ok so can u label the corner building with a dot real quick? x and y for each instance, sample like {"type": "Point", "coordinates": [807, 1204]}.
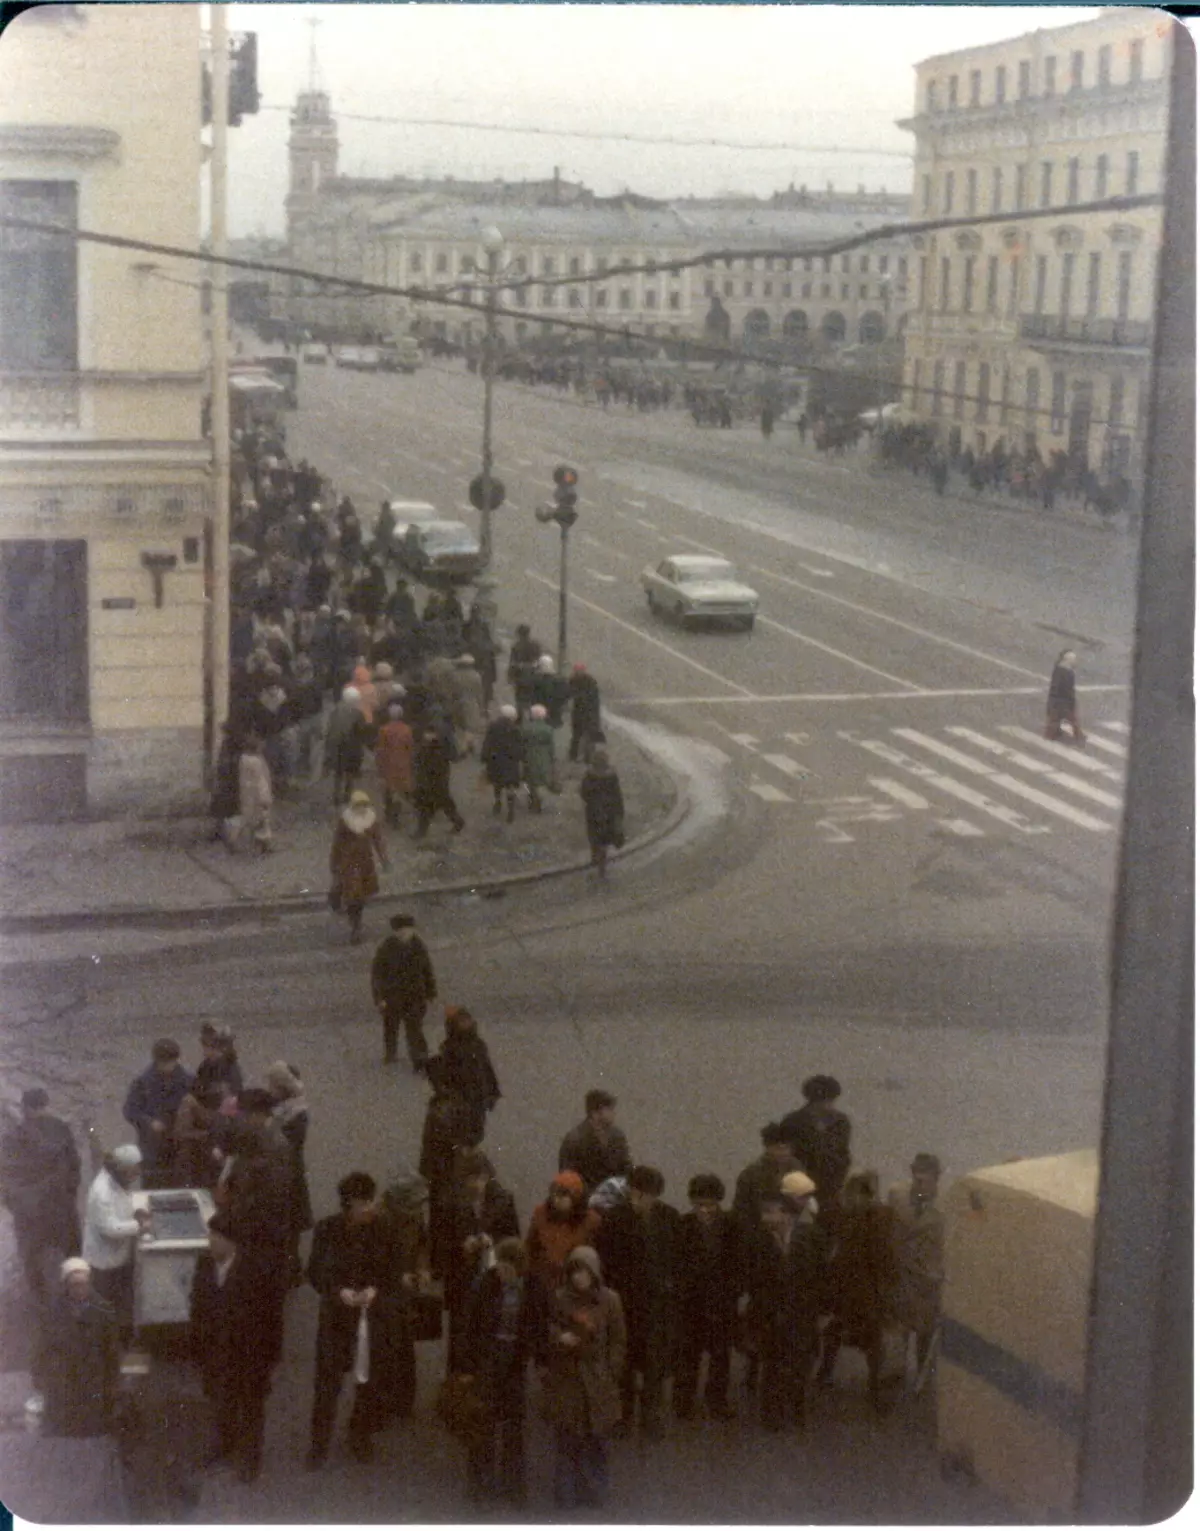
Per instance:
{"type": "Point", "coordinates": [104, 471]}
{"type": "Point", "coordinates": [1037, 333]}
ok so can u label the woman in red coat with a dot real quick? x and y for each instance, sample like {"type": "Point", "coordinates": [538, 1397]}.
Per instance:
{"type": "Point", "coordinates": [357, 845]}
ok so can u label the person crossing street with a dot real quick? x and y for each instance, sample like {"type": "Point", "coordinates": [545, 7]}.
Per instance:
{"type": "Point", "coordinates": [403, 985]}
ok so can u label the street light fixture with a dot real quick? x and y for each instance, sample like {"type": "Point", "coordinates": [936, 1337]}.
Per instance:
{"type": "Point", "coordinates": [492, 241]}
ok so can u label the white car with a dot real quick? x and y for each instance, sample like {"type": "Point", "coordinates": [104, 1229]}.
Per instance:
{"type": "Point", "coordinates": [314, 354]}
{"type": "Point", "coordinates": [410, 513]}
{"type": "Point", "coordinates": [346, 356]}
{"type": "Point", "coordinates": [694, 587]}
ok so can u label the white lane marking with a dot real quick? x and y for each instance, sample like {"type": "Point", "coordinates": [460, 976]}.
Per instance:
{"type": "Point", "coordinates": [1037, 767]}
{"type": "Point", "coordinates": [901, 794]}
{"type": "Point", "coordinates": [825, 648]}
{"type": "Point", "coordinates": [960, 827]}
{"type": "Point", "coordinates": [1109, 746]}
{"type": "Point", "coordinates": [1003, 779]}
{"type": "Point", "coordinates": [840, 696]}
{"type": "Point", "coordinates": [800, 739]}
{"type": "Point", "coordinates": [1117, 728]}
{"type": "Point", "coordinates": [641, 633]}
{"type": "Point", "coordinates": [768, 793]}
{"type": "Point", "coordinates": [834, 834]}
{"type": "Point", "coordinates": [1076, 756]}
{"type": "Point", "coordinates": [747, 741]}
{"type": "Point", "coordinates": [590, 541]}
{"type": "Point", "coordinates": [524, 462]}
{"type": "Point", "coordinates": [788, 766]}
{"type": "Point", "coordinates": [605, 579]}
{"type": "Point", "coordinates": [637, 504]}
{"type": "Point", "coordinates": [649, 525]}
{"type": "Point", "coordinates": [1010, 816]}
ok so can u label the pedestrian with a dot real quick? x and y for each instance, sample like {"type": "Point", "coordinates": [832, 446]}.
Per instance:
{"type": "Point", "coordinates": [197, 1133]}
{"type": "Point", "coordinates": [710, 1272]}
{"type": "Point", "coordinates": [505, 1329]}
{"type": "Point", "coordinates": [537, 756]}
{"type": "Point", "coordinates": [585, 712]}
{"type": "Point", "coordinates": [346, 736]}
{"type": "Point", "coordinates": [482, 1213]}
{"type": "Point", "coordinates": [39, 1186]}
{"type": "Point", "coordinates": [522, 659]}
{"type": "Point", "coordinates": [1060, 700]}
{"type": "Point", "coordinates": [290, 1116]}
{"type": "Point", "coordinates": [604, 809]}
{"type": "Point", "coordinates": [785, 1276]}
{"type": "Point", "coordinates": [585, 1361]}
{"type": "Point", "coordinates": [501, 756]}
{"type": "Point", "coordinates": [306, 720]}
{"type": "Point", "coordinates": [357, 846]}
{"type": "Point", "coordinates": [111, 1227]}
{"type": "Point", "coordinates": [150, 1107]}
{"type": "Point", "coordinates": [431, 784]}
{"type": "Point", "coordinates": [404, 1203]}
{"type": "Point", "coordinates": [394, 746]}
{"type": "Point", "coordinates": [819, 1135]}
{"type": "Point", "coordinates": [79, 1360]}
{"type": "Point", "coordinates": [478, 638]}
{"type": "Point", "coordinates": [918, 1251]}
{"type": "Point", "coordinates": [219, 1064]}
{"type": "Point", "coordinates": [353, 1269]}
{"type": "Point", "coordinates": [223, 805]}
{"type": "Point", "coordinates": [639, 1247]}
{"type": "Point", "coordinates": [403, 985]}
{"type": "Point", "coordinates": [596, 1149]}
{"type": "Point", "coordinates": [465, 1066]}
{"type": "Point", "coordinates": [257, 1187]}
{"type": "Point", "coordinates": [559, 1224]}
{"type": "Point", "coordinates": [229, 1339]}
{"type": "Point", "coordinates": [550, 690]}
{"type": "Point", "coordinates": [445, 1132]}
{"type": "Point", "coordinates": [469, 708]}
{"type": "Point", "coordinates": [861, 1279]}
{"type": "Point", "coordinates": [763, 1177]}
{"type": "Point", "coordinates": [255, 796]}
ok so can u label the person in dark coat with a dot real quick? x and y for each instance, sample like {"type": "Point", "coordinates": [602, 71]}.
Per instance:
{"type": "Point", "coordinates": [549, 690]}
{"type": "Point", "coordinates": [639, 1247]}
{"type": "Point", "coordinates": [79, 1362]}
{"type": "Point", "coordinates": [762, 1178]}
{"type": "Point", "coordinates": [354, 1269]}
{"type": "Point", "coordinates": [466, 1068]}
{"type": "Point", "coordinates": [431, 783]}
{"type": "Point", "coordinates": [483, 648]}
{"type": "Point", "coordinates": [604, 809]}
{"type": "Point", "coordinates": [224, 803]}
{"type": "Point", "coordinates": [446, 1130]}
{"type": "Point", "coordinates": [356, 847]}
{"type": "Point", "coordinates": [404, 1203]}
{"type": "Point", "coordinates": [820, 1138]}
{"type": "Point", "coordinates": [347, 735]}
{"type": "Point", "coordinates": [506, 1328]}
{"type": "Point", "coordinates": [482, 1212]}
{"type": "Point", "coordinates": [501, 755]}
{"type": "Point", "coordinates": [257, 1189]}
{"type": "Point", "coordinates": [710, 1283]}
{"type": "Point", "coordinates": [219, 1064]}
{"type": "Point", "coordinates": [522, 660]}
{"type": "Point", "coordinates": [229, 1337]}
{"type": "Point", "coordinates": [403, 985]}
{"type": "Point", "coordinates": [290, 1116]}
{"type": "Point", "coordinates": [597, 1148]}
{"type": "Point", "coordinates": [585, 712]}
{"type": "Point", "coordinates": [861, 1279]}
{"type": "Point", "coordinates": [39, 1185]}
{"type": "Point", "coordinates": [1060, 700]}
{"type": "Point", "coordinates": [150, 1107]}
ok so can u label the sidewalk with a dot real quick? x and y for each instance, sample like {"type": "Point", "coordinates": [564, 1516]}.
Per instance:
{"type": "Point", "coordinates": [128, 872]}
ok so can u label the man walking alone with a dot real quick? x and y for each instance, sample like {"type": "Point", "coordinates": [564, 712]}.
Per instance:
{"type": "Point", "coordinates": [403, 984]}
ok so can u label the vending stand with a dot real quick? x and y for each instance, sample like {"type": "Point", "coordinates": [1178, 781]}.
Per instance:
{"type": "Point", "coordinates": [165, 1262]}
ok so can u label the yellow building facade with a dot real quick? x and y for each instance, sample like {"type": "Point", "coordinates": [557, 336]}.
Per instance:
{"type": "Point", "coordinates": [1037, 332]}
{"type": "Point", "coordinates": [105, 474]}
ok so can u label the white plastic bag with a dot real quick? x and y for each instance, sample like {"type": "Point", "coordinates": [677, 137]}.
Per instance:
{"type": "Point", "coordinates": [362, 1350]}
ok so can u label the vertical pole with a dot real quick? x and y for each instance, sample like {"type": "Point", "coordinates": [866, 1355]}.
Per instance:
{"type": "Point", "coordinates": [219, 321]}
{"type": "Point", "coordinates": [564, 532]}
{"type": "Point", "coordinates": [1135, 1463]}
{"type": "Point", "coordinates": [489, 366]}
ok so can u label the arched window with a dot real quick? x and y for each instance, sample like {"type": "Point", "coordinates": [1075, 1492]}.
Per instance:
{"type": "Point", "coordinates": [871, 328]}
{"type": "Point", "coordinates": [833, 326]}
{"type": "Point", "coordinates": [756, 325]}
{"type": "Point", "coordinates": [795, 323]}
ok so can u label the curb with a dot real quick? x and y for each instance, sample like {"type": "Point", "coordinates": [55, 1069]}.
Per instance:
{"type": "Point", "coordinates": [237, 911]}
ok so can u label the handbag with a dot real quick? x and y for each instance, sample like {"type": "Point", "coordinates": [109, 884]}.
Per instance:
{"type": "Point", "coordinates": [425, 1317]}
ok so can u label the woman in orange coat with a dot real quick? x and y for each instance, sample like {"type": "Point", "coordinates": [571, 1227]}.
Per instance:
{"type": "Point", "coordinates": [559, 1225]}
{"type": "Point", "coordinates": [357, 845]}
{"type": "Point", "coordinates": [394, 762]}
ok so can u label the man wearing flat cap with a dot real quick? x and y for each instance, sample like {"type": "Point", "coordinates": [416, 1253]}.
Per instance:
{"type": "Point", "coordinates": [402, 986]}
{"type": "Point", "coordinates": [39, 1185]}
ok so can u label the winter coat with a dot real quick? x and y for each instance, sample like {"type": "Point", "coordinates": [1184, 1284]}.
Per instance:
{"type": "Point", "coordinates": [254, 787]}
{"type": "Point", "coordinates": [592, 1160]}
{"type": "Point", "coordinates": [346, 736]}
{"type": "Point", "coordinates": [502, 752]}
{"type": "Point", "coordinates": [762, 1178]}
{"type": "Point", "coordinates": [195, 1139]}
{"type": "Point", "coordinates": [402, 972]}
{"type": "Point", "coordinates": [495, 1216]}
{"type": "Point", "coordinates": [231, 1326]}
{"type": "Point", "coordinates": [1060, 702]}
{"type": "Point", "coordinates": [537, 744]}
{"type": "Point", "coordinates": [39, 1179]}
{"type": "Point", "coordinates": [224, 802]}
{"type": "Point", "coordinates": [788, 1289]}
{"type": "Point", "coordinates": [918, 1250]}
{"type": "Point", "coordinates": [394, 756]}
{"type": "Point", "coordinates": [291, 1117]}
{"type": "Point", "coordinates": [710, 1275]}
{"type": "Point", "coordinates": [862, 1271]}
{"type": "Point", "coordinates": [603, 806]}
{"type": "Point", "coordinates": [154, 1096]}
{"type": "Point", "coordinates": [258, 1192]}
{"type": "Point", "coordinates": [467, 711]}
{"type": "Point", "coordinates": [585, 703]}
{"type": "Point", "coordinates": [351, 1255]}
{"type": "Point", "coordinates": [583, 1384]}
{"type": "Point", "coordinates": [352, 858]}
{"type": "Point", "coordinates": [465, 1068]}
{"type": "Point", "coordinates": [820, 1139]}
{"type": "Point", "coordinates": [431, 778]}
{"type": "Point", "coordinates": [640, 1255]}
{"type": "Point", "coordinates": [522, 657]}
{"type": "Point", "coordinates": [223, 1070]}
{"type": "Point", "coordinates": [499, 1367]}
{"type": "Point", "coordinates": [553, 693]}
{"type": "Point", "coordinates": [79, 1368]}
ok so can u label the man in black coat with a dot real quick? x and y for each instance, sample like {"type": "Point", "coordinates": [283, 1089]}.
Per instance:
{"type": "Point", "coordinates": [39, 1184]}
{"type": "Point", "coordinates": [355, 1269]}
{"type": "Point", "coordinates": [820, 1138]}
{"type": "Point", "coordinates": [710, 1283]}
{"type": "Point", "coordinates": [258, 1192]}
{"type": "Point", "coordinates": [431, 783]}
{"type": "Point", "coordinates": [230, 1340]}
{"type": "Point", "coordinates": [639, 1247]}
{"type": "Point", "coordinates": [597, 1149]}
{"type": "Point", "coordinates": [481, 1213]}
{"type": "Point", "coordinates": [585, 712]}
{"type": "Point", "coordinates": [466, 1069]}
{"type": "Point", "coordinates": [402, 985]}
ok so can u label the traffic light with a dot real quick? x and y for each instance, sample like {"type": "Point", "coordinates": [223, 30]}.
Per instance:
{"type": "Point", "coordinates": [565, 496]}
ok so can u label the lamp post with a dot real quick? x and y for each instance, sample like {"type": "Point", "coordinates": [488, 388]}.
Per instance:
{"type": "Point", "coordinates": [493, 244]}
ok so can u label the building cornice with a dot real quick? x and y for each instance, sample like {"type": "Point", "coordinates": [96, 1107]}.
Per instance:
{"type": "Point", "coordinates": [59, 140]}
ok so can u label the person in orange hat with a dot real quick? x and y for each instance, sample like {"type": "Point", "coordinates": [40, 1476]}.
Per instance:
{"type": "Point", "coordinates": [561, 1223]}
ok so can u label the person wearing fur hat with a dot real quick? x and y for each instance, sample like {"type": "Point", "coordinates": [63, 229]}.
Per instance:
{"type": "Point", "coordinates": [403, 985]}
{"type": "Point", "coordinates": [584, 693]}
{"type": "Point", "coordinates": [918, 1248]}
{"type": "Point", "coordinates": [79, 1360]}
{"type": "Point", "coordinates": [710, 1282]}
{"type": "Point", "coordinates": [603, 808]}
{"type": "Point", "coordinates": [537, 755]}
{"type": "Point", "coordinates": [357, 846]}
{"type": "Point", "coordinates": [559, 1224]}
{"type": "Point", "coordinates": [820, 1137]}
{"type": "Point", "coordinates": [466, 1069]}
{"type": "Point", "coordinates": [501, 756]}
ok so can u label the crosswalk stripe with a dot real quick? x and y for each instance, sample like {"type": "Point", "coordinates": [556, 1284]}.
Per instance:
{"type": "Point", "coordinates": [1003, 779]}
{"type": "Point", "coordinates": [1010, 816]}
{"type": "Point", "coordinates": [768, 793]}
{"type": "Point", "coordinates": [788, 766]}
{"type": "Point", "coordinates": [1038, 767]}
{"type": "Point", "coordinates": [1117, 728]}
{"type": "Point", "coordinates": [1077, 758]}
{"type": "Point", "coordinates": [960, 827]}
{"type": "Point", "coordinates": [1109, 746]}
{"type": "Point", "coordinates": [901, 794]}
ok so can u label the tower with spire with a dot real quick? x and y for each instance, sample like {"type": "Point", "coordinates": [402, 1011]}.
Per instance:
{"type": "Point", "coordinates": [312, 145]}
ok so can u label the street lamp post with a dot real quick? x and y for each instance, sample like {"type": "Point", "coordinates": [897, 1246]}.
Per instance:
{"type": "Point", "coordinates": [493, 243]}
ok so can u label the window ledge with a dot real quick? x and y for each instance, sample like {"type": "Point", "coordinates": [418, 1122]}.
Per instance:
{"type": "Point", "coordinates": [63, 139]}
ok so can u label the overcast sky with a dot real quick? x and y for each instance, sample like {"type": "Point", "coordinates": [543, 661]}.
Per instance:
{"type": "Point", "coordinates": [806, 76]}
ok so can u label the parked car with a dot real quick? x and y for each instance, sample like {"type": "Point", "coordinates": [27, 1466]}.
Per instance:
{"type": "Point", "coordinates": [346, 356]}
{"type": "Point", "coordinates": [411, 513]}
{"type": "Point", "coordinates": [315, 355]}
{"type": "Point", "coordinates": [368, 358]}
{"type": "Point", "coordinates": [694, 587]}
{"type": "Point", "coordinates": [440, 552]}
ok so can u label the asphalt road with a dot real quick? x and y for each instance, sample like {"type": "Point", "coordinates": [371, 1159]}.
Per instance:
{"type": "Point", "coordinates": [895, 879]}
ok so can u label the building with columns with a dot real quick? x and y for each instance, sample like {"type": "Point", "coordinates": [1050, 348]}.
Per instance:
{"type": "Point", "coordinates": [1038, 332]}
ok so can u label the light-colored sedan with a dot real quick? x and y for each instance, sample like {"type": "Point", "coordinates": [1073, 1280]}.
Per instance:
{"type": "Point", "coordinates": [408, 513]}
{"type": "Point", "coordinates": [694, 587]}
{"type": "Point", "coordinates": [441, 553]}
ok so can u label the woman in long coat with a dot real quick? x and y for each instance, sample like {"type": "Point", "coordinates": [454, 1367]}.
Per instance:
{"type": "Point", "coordinates": [1060, 701]}
{"type": "Point", "coordinates": [583, 1388]}
{"type": "Point", "coordinates": [500, 755]}
{"type": "Point", "coordinates": [291, 1116]}
{"type": "Point", "coordinates": [357, 845]}
{"type": "Point", "coordinates": [537, 738]}
{"type": "Point", "coordinates": [604, 808]}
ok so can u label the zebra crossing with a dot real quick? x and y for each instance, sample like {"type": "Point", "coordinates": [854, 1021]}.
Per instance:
{"type": "Point", "coordinates": [970, 781]}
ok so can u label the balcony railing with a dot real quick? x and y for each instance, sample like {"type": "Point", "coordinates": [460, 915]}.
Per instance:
{"type": "Point", "coordinates": [1086, 332]}
{"type": "Point", "coordinates": [39, 401]}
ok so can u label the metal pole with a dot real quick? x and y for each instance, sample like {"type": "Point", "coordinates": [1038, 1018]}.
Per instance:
{"type": "Point", "coordinates": [564, 532]}
{"type": "Point", "coordinates": [219, 321]}
{"type": "Point", "coordinates": [489, 361]}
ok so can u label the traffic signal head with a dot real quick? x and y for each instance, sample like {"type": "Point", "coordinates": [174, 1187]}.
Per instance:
{"type": "Point", "coordinates": [565, 480]}
{"type": "Point", "coordinates": [565, 476]}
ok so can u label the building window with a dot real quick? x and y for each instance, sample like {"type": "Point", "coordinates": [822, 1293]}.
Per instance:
{"type": "Point", "coordinates": [769, 263]}
{"type": "Point", "coordinates": [574, 298]}
{"type": "Point", "coordinates": [747, 289]}
{"type": "Point", "coordinates": [826, 290]}
{"type": "Point", "coordinates": [414, 261]}
{"type": "Point", "coordinates": [38, 279]}
{"type": "Point", "coordinates": [845, 291]}
{"type": "Point", "coordinates": [864, 291]}
{"type": "Point", "coordinates": [1058, 403]}
{"type": "Point", "coordinates": [650, 298]}
{"type": "Point", "coordinates": [1001, 84]}
{"type": "Point", "coordinates": [926, 201]}
{"type": "Point", "coordinates": [1066, 282]}
{"type": "Point", "coordinates": [601, 297]}
{"type": "Point", "coordinates": [727, 288]}
{"type": "Point", "coordinates": [1132, 162]}
{"type": "Point", "coordinates": [729, 263]}
{"type": "Point", "coordinates": [983, 393]}
{"type": "Point", "coordinates": [520, 265]}
{"type": "Point", "coordinates": [673, 300]}
{"type": "Point", "coordinates": [768, 289]}
{"type": "Point", "coordinates": [806, 289]}
{"type": "Point", "coordinates": [997, 189]}
{"type": "Point", "coordinates": [466, 263]}
{"type": "Point", "coordinates": [972, 191]}
{"type": "Point", "coordinates": [1136, 51]}
{"type": "Point", "coordinates": [710, 289]}
{"type": "Point", "coordinates": [441, 261]}
{"type": "Point", "coordinates": [601, 264]}
{"type": "Point", "coordinates": [787, 265]}
{"type": "Point", "coordinates": [625, 298]}
{"type": "Point", "coordinates": [1047, 192]}
{"type": "Point", "coordinates": [1093, 284]}
{"type": "Point", "coordinates": [547, 265]}
{"type": "Point", "coordinates": [939, 387]}
{"type": "Point", "coordinates": [548, 296]}
{"type": "Point", "coordinates": [968, 289]}
{"type": "Point", "coordinates": [1101, 176]}
{"type": "Point", "coordinates": [944, 294]}
{"type": "Point", "coordinates": [976, 86]}
{"type": "Point", "coordinates": [1039, 285]}
{"type": "Point", "coordinates": [1021, 197]}
{"type": "Point", "coordinates": [786, 290]}
{"type": "Point", "coordinates": [948, 193]}
{"type": "Point", "coordinates": [575, 268]}
{"type": "Point", "coordinates": [1024, 81]}
{"type": "Point", "coordinates": [1124, 283]}
{"type": "Point", "coordinates": [1014, 287]}
{"type": "Point", "coordinates": [960, 388]}
{"type": "Point", "coordinates": [952, 92]}
{"type": "Point", "coordinates": [922, 282]}
{"type": "Point", "coordinates": [1077, 70]}
{"type": "Point", "coordinates": [993, 283]}
{"type": "Point", "coordinates": [1033, 396]}
{"type": "Point", "coordinates": [902, 268]}
{"type": "Point", "coordinates": [931, 96]}
{"type": "Point", "coordinates": [864, 263]}
{"type": "Point", "coordinates": [845, 263]}
{"type": "Point", "coordinates": [1104, 65]}
{"type": "Point", "coordinates": [827, 263]}
{"type": "Point", "coordinates": [808, 265]}
{"type": "Point", "coordinates": [1072, 180]}
{"type": "Point", "coordinates": [883, 265]}
{"type": "Point", "coordinates": [1049, 74]}
{"type": "Point", "coordinates": [1116, 400]}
